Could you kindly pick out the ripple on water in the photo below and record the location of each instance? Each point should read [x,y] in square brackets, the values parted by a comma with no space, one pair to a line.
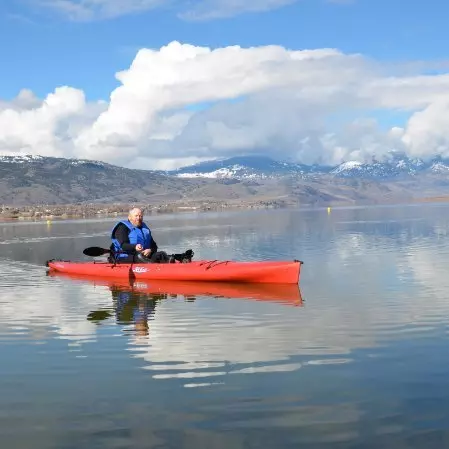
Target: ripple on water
[37,308]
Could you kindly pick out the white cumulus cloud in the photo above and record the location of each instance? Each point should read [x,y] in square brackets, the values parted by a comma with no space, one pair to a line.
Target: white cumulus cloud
[185,103]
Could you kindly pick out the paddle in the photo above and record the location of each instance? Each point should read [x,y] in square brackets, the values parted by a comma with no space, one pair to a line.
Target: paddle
[99,315]
[95,251]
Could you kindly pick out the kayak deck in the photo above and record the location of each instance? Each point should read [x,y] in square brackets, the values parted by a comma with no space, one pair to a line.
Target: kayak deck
[273,272]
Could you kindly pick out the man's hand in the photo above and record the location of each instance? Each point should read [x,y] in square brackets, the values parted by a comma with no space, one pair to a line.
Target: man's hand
[146,252]
[139,247]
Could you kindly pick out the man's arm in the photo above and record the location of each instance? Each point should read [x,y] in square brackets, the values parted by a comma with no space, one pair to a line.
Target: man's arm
[121,234]
[153,246]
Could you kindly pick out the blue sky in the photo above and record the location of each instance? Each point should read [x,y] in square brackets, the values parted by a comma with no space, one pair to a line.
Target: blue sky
[46,49]
[344,82]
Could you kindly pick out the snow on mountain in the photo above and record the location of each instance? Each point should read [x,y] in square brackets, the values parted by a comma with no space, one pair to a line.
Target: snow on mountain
[234,171]
[440,167]
[395,165]
[246,167]
[260,167]
[347,167]
[30,158]
[20,159]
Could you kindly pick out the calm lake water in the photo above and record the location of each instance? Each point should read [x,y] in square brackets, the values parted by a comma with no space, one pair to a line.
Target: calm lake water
[356,359]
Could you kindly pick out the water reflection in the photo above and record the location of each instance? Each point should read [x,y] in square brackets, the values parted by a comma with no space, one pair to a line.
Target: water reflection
[98,363]
[289,294]
[254,235]
[141,309]
[134,302]
[129,307]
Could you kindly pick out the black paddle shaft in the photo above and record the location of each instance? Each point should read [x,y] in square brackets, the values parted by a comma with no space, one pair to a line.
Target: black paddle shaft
[96,251]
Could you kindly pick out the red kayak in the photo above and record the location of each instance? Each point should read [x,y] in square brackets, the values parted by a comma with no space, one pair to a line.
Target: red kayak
[288,294]
[271,272]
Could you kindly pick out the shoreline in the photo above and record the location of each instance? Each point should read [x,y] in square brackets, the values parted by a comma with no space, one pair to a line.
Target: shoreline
[42,213]
[100,210]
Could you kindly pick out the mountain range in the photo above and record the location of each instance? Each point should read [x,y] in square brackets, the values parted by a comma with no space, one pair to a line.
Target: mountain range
[260,167]
[37,180]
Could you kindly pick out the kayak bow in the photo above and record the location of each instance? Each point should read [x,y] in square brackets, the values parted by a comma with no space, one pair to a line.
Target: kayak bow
[271,272]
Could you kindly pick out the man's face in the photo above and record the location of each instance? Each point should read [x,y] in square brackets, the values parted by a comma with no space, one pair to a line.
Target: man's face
[136,217]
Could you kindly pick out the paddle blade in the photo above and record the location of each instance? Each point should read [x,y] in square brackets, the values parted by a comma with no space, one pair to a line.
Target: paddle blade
[99,315]
[95,251]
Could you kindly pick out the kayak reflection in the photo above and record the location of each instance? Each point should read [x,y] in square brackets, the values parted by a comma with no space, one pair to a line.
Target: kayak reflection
[135,302]
[288,294]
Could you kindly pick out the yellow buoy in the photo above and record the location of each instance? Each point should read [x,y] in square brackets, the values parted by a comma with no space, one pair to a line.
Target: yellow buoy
[328,210]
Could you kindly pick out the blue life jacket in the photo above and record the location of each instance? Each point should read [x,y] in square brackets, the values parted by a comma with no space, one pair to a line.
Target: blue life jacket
[136,235]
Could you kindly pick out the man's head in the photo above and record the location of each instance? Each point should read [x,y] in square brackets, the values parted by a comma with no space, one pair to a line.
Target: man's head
[135,216]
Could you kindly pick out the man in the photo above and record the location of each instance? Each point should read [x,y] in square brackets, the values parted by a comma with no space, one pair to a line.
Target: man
[132,240]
